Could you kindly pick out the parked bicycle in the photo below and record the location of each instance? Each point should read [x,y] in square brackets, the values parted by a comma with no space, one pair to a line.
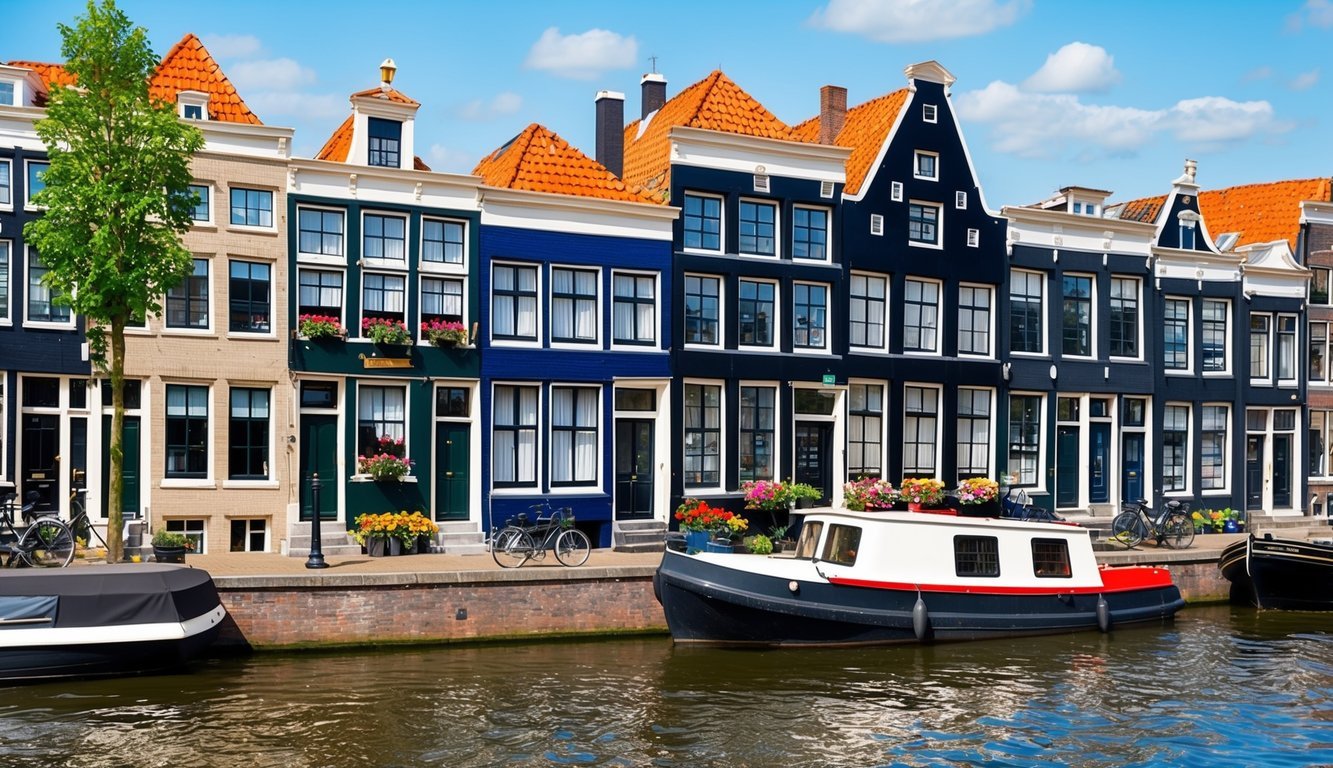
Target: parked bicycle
[1138,521]
[44,542]
[80,524]
[520,541]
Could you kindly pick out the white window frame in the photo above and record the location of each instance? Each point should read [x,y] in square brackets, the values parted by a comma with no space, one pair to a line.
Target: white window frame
[1323,380]
[211,221]
[1188,370]
[721,223]
[193,528]
[1295,352]
[721,311]
[989,290]
[828,239]
[657,311]
[575,487]
[774,450]
[917,157]
[27,299]
[275,212]
[973,238]
[443,267]
[386,384]
[722,444]
[1043,315]
[877,224]
[27,189]
[209,480]
[777,227]
[991,418]
[826,347]
[775,323]
[1270,349]
[598,302]
[7,291]
[208,329]
[398,265]
[930,113]
[187,99]
[272,480]
[9,205]
[538,311]
[248,521]
[935,350]
[296,298]
[521,488]
[1226,337]
[421,301]
[1325,431]
[361,299]
[1229,423]
[306,257]
[938,437]
[883,346]
[1093,329]
[1012,476]
[896,191]
[960,201]
[1189,447]
[1139,305]
[883,436]
[938,245]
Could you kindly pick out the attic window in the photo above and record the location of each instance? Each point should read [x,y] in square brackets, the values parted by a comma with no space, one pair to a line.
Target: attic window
[896,191]
[193,105]
[1188,220]
[928,113]
[761,182]
[826,189]
[973,238]
[877,223]
[385,139]
[7,93]
[960,200]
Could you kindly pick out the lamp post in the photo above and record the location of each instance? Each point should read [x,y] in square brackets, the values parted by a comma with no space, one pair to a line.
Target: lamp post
[316,559]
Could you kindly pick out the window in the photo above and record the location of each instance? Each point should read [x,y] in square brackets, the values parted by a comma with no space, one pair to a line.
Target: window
[248,291]
[976,555]
[1076,331]
[920,428]
[202,210]
[514,303]
[320,292]
[192,111]
[44,304]
[960,202]
[923,221]
[514,437]
[1318,340]
[1215,318]
[634,309]
[187,431]
[187,302]
[974,320]
[7,93]
[974,432]
[1124,317]
[921,311]
[928,113]
[453,402]
[877,223]
[1024,439]
[385,139]
[1187,236]
[574,435]
[384,237]
[320,232]
[630,399]
[1321,442]
[1259,329]
[896,191]
[249,535]
[1026,297]
[193,530]
[1319,293]
[381,420]
[703,222]
[36,178]
[574,306]
[441,241]
[441,299]
[809,234]
[842,545]
[1050,558]
[247,434]
[6,186]
[973,238]
[756,303]
[925,165]
[252,207]
[757,226]
[868,296]
[1286,347]
[383,296]
[1176,334]
[809,315]
[4,280]
[1175,446]
[702,306]
[757,417]
[703,436]
[1213,447]
[865,431]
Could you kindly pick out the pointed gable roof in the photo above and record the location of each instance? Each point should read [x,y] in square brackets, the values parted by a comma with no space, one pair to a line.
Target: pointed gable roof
[188,66]
[389,94]
[714,103]
[538,160]
[865,130]
[1261,213]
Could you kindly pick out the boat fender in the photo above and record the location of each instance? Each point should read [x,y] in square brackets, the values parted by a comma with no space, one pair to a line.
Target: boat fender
[793,586]
[920,619]
[1103,614]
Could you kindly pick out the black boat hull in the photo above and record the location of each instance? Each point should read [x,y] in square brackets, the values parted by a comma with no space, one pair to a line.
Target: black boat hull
[1280,574]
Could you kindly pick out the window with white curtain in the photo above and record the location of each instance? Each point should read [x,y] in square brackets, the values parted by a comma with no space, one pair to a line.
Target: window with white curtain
[514,302]
[921,315]
[381,415]
[974,430]
[866,311]
[441,299]
[574,435]
[514,437]
[865,427]
[384,237]
[1213,447]
[574,306]
[703,435]
[634,308]
[384,296]
[320,292]
[920,427]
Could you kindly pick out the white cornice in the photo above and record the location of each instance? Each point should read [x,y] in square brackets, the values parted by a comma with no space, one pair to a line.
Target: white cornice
[1316,212]
[778,157]
[343,170]
[1072,220]
[523,197]
[548,212]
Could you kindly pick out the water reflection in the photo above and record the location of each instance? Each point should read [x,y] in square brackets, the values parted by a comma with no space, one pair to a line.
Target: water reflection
[1231,684]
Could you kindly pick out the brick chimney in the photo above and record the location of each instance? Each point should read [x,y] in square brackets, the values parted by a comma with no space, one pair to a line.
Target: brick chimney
[611,131]
[653,87]
[832,112]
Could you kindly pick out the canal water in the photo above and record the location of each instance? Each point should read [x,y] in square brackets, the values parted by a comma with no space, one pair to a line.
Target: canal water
[1221,686]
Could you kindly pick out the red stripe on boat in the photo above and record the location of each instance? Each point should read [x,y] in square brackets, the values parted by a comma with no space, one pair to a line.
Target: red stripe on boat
[1127,579]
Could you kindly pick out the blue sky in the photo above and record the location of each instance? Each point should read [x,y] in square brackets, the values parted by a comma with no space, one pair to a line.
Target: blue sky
[1107,95]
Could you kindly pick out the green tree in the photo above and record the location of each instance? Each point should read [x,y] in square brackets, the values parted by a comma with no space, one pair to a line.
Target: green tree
[117,198]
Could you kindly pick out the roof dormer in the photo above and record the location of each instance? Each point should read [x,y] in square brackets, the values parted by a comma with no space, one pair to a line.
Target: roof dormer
[382,127]
[192,105]
[19,86]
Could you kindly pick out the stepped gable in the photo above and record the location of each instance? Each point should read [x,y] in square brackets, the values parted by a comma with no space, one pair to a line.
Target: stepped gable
[538,160]
[188,66]
[1261,213]
[865,131]
[714,103]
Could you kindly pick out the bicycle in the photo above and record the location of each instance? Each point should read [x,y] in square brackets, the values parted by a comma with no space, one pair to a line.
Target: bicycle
[518,542]
[79,523]
[1137,522]
[44,543]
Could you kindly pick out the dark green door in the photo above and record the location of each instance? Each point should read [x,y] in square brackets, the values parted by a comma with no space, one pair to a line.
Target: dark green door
[1282,470]
[634,469]
[130,469]
[452,480]
[319,453]
[1066,466]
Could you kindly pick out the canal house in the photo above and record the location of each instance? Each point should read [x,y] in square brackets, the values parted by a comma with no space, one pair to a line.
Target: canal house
[380,250]
[1315,250]
[575,378]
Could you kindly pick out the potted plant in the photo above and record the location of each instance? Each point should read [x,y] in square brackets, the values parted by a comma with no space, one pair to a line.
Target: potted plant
[1201,522]
[806,495]
[922,492]
[391,533]
[382,331]
[759,544]
[170,547]
[767,494]
[778,535]
[696,521]
[980,495]
[316,327]
[869,493]
[387,463]
[729,530]
[445,333]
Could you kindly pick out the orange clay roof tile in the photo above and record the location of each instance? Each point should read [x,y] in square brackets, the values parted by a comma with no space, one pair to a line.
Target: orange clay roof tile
[538,160]
[1261,213]
[865,130]
[335,149]
[714,103]
[390,95]
[53,75]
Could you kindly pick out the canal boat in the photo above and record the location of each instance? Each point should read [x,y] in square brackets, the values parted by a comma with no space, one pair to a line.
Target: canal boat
[104,620]
[865,578]
[1284,574]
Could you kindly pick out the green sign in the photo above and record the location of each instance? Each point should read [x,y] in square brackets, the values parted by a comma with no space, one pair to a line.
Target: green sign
[829,380]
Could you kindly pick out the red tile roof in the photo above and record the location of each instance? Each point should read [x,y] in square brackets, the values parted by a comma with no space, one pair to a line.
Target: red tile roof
[865,130]
[538,160]
[53,75]
[1261,213]
[340,143]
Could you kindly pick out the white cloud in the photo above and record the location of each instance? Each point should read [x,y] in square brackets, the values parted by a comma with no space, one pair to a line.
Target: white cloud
[506,103]
[232,46]
[442,158]
[270,75]
[582,57]
[1216,119]
[304,105]
[1075,68]
[1258,73]
[1315,13]
[906,21]
[1305,80]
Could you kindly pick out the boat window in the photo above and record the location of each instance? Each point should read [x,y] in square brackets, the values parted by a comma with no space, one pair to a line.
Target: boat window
[976,555]
[842,544]
[806,547]
[1050,558]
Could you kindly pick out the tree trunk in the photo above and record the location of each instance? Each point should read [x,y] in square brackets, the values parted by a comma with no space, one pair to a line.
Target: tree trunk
[115,527]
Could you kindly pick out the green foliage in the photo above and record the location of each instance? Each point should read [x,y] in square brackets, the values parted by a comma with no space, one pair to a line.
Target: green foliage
[165,539]
[759,544]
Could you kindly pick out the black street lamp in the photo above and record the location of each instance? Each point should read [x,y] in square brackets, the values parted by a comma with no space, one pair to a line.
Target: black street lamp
[316,559]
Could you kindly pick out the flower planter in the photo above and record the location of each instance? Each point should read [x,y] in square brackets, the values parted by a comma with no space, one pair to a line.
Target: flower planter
[695,541]
[930,509]
[169,554]
[1230,526]
[423,545]
[377,547]
[724,547]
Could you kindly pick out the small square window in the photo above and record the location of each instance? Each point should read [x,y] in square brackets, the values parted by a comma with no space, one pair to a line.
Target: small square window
[926,165]
[923,223]
[973,238]
[192,111]
[252,207]
[929,113]
[7,93]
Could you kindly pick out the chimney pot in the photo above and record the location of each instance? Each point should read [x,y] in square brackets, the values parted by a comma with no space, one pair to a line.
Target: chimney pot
[653,88]
[610,116]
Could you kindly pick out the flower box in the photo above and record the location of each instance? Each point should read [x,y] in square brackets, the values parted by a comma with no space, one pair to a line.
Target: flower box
[445,334]
[381,331]
[320,328]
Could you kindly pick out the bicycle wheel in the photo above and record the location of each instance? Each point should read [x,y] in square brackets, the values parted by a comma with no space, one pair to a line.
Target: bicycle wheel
[1178,532]
[1127,529]
[512,548]
[572,547]
[47,543]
